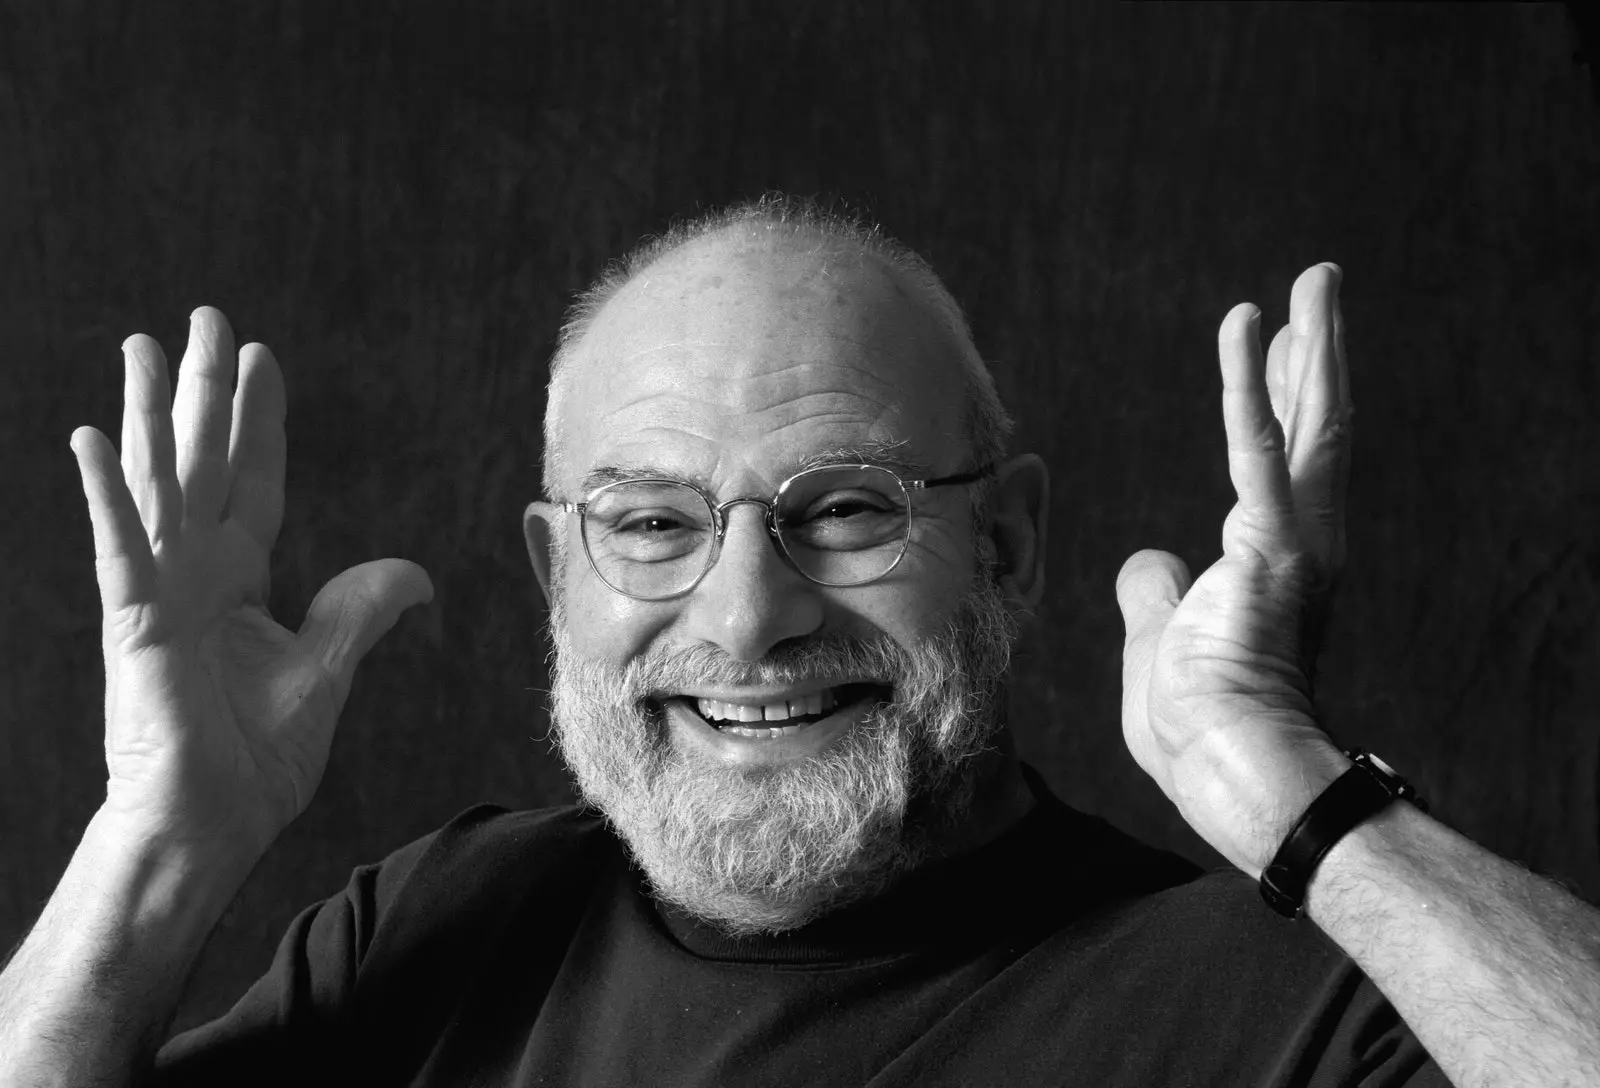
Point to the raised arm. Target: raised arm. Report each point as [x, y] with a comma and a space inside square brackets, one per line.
[218, 720]
[1497, 971]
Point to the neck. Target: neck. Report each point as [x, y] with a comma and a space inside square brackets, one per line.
[1000, 798]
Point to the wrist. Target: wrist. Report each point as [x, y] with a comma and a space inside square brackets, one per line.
[150, 875]
[90, 992]
[1250, 799]
[1366, 791]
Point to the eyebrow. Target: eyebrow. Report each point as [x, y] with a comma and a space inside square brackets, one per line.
[616, 474]
[894, 455]
[890, 455]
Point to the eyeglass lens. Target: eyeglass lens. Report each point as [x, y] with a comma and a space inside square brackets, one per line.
[839, 525]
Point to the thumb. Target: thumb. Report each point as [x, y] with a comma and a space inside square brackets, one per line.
[357, 608]
[1149, 588]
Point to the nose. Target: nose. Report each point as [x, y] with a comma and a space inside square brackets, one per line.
[751, 599]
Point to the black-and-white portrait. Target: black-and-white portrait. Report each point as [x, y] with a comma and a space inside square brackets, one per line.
[821, 543]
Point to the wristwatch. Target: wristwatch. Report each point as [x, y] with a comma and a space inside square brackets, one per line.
[1355, 796]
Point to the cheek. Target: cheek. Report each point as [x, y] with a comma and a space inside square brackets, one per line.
[910, 609]
[603, 625]
[926, 588]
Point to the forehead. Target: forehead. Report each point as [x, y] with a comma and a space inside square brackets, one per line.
[735, 364]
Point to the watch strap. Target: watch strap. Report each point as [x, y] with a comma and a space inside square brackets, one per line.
[1354, 797]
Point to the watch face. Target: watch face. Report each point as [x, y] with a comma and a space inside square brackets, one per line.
[1382, 766]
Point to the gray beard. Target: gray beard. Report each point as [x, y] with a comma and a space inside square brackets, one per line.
[761, 850]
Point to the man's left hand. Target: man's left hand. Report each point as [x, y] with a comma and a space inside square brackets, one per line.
[1216, 678]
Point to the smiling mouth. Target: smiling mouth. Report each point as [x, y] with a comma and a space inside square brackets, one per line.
[785, 718]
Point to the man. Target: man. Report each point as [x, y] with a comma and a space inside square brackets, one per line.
[785, 551]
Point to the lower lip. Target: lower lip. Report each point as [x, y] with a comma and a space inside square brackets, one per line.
[690, 731]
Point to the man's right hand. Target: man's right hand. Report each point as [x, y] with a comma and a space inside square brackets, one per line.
[218, 719]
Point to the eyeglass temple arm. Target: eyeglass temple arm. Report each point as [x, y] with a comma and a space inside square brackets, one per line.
[959, 478]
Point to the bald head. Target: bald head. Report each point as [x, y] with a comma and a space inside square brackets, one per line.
[756, 280]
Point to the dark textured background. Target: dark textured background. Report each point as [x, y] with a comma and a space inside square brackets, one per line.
[399, 201]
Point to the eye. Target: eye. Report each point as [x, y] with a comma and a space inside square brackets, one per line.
[842, 505]
[648, 536]
[651, 524]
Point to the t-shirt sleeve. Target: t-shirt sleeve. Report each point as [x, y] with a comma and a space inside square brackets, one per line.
[1196, 985]
[1255, 991]
[1343, 1033]
[1155, 973]
[363, 982]
[292, 1018]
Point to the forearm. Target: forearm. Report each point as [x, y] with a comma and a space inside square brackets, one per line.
[89, 995]
[1496, 970]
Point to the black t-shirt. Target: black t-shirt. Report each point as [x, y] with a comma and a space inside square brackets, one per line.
[519, 949]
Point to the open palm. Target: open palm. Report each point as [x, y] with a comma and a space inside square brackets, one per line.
[218, 719]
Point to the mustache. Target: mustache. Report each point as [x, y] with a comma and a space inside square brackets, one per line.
[832, 659]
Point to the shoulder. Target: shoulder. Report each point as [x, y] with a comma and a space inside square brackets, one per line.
[1131, 920]
[1148, 969]
[1084, 864]
[376, 969]
[1129, 895]
[488, 841]
[1215, 922]
[483, 864]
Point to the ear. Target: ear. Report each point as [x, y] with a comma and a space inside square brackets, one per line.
[1019, 516]
[538, 526]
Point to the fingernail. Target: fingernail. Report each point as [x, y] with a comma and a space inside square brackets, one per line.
[1338, 273]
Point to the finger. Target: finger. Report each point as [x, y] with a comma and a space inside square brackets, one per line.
[256, 447]
[1278, 380]
[148, 466]
[123, 563]
[200, 414]
[1312, 386]
[357, 608]
[1341, 363]
[1319, 453]
[1150, 586]
[1256, 461]
[1339, 484]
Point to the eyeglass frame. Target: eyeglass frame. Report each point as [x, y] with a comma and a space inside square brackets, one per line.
[719, 520]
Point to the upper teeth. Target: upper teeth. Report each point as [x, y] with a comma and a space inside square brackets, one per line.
[815, 703]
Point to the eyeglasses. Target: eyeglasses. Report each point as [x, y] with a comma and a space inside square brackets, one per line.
[838, 525]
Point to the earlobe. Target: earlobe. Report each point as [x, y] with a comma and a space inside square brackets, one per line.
[538, 525]
[1019, 517]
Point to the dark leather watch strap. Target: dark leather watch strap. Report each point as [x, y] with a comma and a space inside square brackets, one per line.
[1355, 796]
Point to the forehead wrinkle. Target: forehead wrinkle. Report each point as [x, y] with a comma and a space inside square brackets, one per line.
[833, 431]
[729, 402]
[666, 345]
[865, 369]
[876, 341]
[814, 419]
[802, 391]
[718, 369]
[684, 399]
[791, 406]
[832, 439]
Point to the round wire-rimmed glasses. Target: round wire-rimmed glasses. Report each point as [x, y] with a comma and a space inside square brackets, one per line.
[653, 538]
